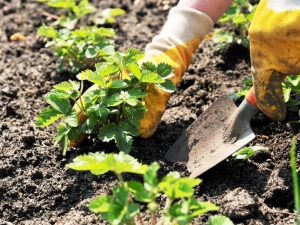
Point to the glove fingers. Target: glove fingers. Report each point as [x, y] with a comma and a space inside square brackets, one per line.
[268, 94]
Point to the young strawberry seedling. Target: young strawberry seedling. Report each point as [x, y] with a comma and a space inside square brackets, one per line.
[239, 16]
[77, 11]
[79, 49]
[124, 204]
[113, 106]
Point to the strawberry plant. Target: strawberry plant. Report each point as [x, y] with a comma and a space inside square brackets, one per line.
[238, 17]
[107, 16]
[113, 106]
[81, 48]
[77, 11]
[124, 205]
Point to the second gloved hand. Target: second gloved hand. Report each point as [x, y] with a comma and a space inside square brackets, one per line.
[275, 52]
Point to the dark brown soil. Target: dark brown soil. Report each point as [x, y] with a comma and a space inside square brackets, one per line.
[35, 186]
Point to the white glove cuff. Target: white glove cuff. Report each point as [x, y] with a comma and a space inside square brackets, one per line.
[183, 25]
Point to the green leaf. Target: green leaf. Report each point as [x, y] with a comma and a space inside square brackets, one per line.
[74, 132]
[123, 141]
[119, 133]
[108, 132]
[137, 94]
[67, 86]
[132, 55]
[93, 162]
[112, 12]
[47, 117]
[89, 124]
[62, 131]
[116, 59]
[183, 212]
[115, 100]
[167, 86]
[100, 163]
[47, 31]
[135, 70]
[286, 92]
[150, 77]
[131, 101]
[99, 110]
[135, 114]
[175, 187]
[61, 3]
[104, 70]
[60, 104]
[71, 118]
[150, 177]
[140, 193]
[83, 8]
[90, 52]
[149, 66]
[165, 70]
[121, 194]
[219, 220]
[100, 204]
[294, 80]
[84, 75]
[92, 96]
[118, 83]
[68, 22]
[133, 209]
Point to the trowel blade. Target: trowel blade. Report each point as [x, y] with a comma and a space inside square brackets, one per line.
[202, 144]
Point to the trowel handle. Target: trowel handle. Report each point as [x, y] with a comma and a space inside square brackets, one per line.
[250, 95]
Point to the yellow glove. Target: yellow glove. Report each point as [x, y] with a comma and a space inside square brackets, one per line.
[180, 37]
[275, 51]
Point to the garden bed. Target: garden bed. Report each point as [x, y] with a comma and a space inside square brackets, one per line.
[37, 188]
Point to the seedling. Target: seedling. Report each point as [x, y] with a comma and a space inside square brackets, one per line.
[108, 16]
[124, 204]
[247, 152]
[113, 107]
[76, 11]
[79, 49]
[239, 17]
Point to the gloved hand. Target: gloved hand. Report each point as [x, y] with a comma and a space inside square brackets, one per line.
[181, 35]
[275, 52]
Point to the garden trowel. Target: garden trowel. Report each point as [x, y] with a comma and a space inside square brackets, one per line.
[217, 133]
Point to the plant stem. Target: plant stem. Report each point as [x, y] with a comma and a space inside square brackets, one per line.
[153, 219]
[80, 94]
[130, 198]
[50, 15]
[168, 204]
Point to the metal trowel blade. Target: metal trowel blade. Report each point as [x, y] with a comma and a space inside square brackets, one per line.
[202, 144]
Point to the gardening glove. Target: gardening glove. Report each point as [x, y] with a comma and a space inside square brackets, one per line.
[275, 52]
[181, 35]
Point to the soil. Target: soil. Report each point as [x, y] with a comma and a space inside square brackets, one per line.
[37, 188]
